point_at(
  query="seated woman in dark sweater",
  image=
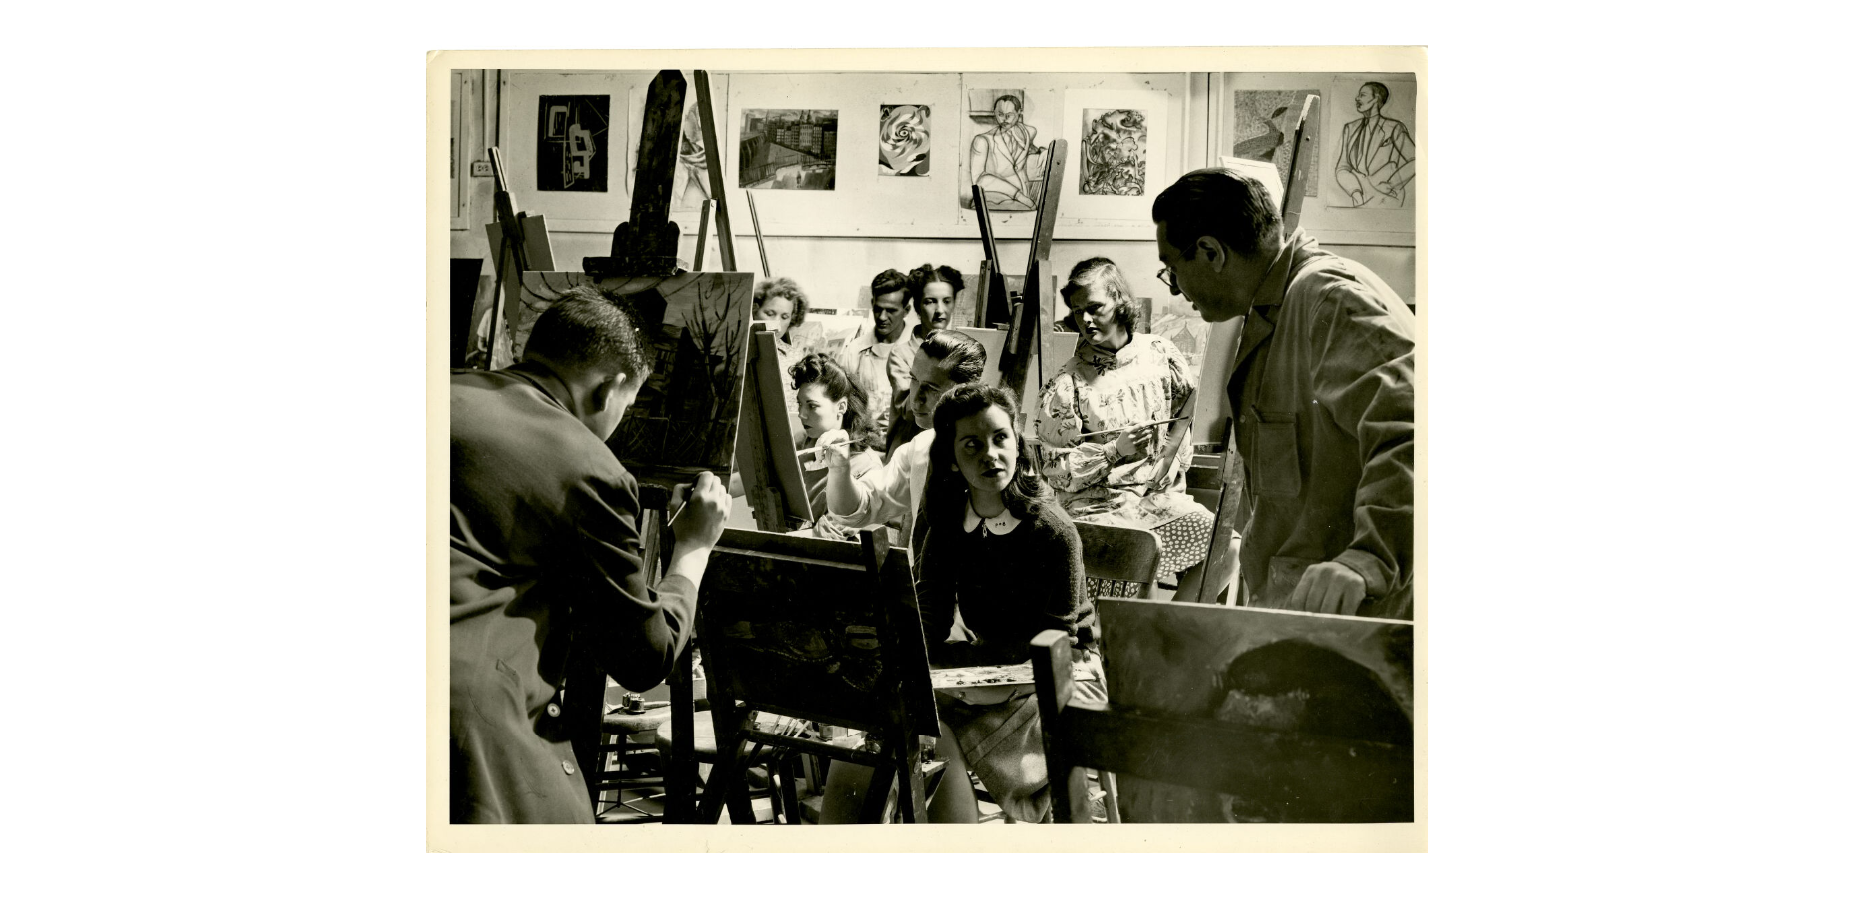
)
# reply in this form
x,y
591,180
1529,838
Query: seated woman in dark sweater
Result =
x,y
1002,553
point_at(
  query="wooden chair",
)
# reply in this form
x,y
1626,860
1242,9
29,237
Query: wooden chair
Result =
x,y
1121,561
1230,508
823,631
1178,674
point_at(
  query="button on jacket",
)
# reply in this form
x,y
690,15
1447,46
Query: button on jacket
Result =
x,y
544,550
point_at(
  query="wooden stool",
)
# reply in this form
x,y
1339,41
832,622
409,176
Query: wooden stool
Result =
x,y
623,727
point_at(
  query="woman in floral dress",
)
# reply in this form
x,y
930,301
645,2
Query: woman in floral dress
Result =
x,y
1116,379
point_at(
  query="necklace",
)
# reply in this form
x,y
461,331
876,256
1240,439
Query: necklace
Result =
x,y
999,524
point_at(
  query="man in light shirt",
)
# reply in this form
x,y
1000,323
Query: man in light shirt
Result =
x,y
867,356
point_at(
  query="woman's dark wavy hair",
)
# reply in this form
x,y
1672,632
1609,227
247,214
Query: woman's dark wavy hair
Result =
x,y
787,289
918,278
1101,275
838,383
946,489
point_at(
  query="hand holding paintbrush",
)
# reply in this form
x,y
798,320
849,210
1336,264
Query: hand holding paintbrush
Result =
x,y
1134,439
701,527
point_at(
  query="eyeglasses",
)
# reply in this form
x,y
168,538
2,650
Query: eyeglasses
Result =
x,y
1168,277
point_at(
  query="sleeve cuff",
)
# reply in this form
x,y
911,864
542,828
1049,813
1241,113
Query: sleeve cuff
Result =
x,y
1375,572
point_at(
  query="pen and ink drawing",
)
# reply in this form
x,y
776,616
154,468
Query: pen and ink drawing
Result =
x,y
1113,149
788,149
573,153
1004,159
1263,123
1375,166
690,188
905,140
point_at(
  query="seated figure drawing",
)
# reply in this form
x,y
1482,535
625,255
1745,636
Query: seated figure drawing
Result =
x,y
1002,158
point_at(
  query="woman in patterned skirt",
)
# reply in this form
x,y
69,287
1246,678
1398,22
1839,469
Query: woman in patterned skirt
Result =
x,y
1102,473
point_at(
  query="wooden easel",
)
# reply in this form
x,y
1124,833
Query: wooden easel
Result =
x,y
822,631
645,247
521,245
1230,509
767,457
1032,315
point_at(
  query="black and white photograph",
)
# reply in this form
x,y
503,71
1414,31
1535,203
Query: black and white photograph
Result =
x,y
1129,538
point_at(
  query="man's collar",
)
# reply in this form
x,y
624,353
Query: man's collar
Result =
x,y
1273,286
544,379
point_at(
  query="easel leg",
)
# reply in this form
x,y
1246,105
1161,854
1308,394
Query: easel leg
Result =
x,y
729,743
913,786
788,784
875,800
679,772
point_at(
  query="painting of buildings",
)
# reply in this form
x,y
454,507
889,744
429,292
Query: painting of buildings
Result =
x,y
788,149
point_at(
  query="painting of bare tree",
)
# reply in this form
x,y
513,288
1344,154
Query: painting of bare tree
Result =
x,y
695,325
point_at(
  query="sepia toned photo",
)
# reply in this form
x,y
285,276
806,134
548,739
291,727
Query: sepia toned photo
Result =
x,y
1080,492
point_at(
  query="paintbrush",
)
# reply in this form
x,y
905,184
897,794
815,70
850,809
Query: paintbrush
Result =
x,y
681,507
1154,423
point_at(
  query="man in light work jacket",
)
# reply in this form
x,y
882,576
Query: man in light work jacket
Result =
x,y
545,558
1323,393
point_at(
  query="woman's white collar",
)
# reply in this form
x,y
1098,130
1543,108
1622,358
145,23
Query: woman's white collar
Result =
x,y
996,526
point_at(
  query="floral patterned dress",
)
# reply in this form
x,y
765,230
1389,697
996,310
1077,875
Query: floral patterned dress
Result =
x,y
1101,390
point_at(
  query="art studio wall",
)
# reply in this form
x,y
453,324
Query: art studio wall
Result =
x,y
846,183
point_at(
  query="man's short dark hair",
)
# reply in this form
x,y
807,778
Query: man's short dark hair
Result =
x,y
889,281
588,330
1217,202
1382,92
962,356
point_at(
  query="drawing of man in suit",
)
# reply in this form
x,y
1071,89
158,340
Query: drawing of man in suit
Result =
x,y
1376,159
1001,157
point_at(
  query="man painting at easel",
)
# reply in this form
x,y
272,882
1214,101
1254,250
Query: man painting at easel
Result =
x,y
545,557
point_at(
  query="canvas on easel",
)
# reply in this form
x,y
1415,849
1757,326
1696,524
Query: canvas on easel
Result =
x,y
687,412
824,631
1332,694
768,454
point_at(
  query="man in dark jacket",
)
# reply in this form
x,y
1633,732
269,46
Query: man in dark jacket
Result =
x,y
1323,393
545,557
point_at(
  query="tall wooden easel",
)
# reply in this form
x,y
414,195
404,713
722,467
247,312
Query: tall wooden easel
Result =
x,y
1020,369
520,245
1230,510
646,246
